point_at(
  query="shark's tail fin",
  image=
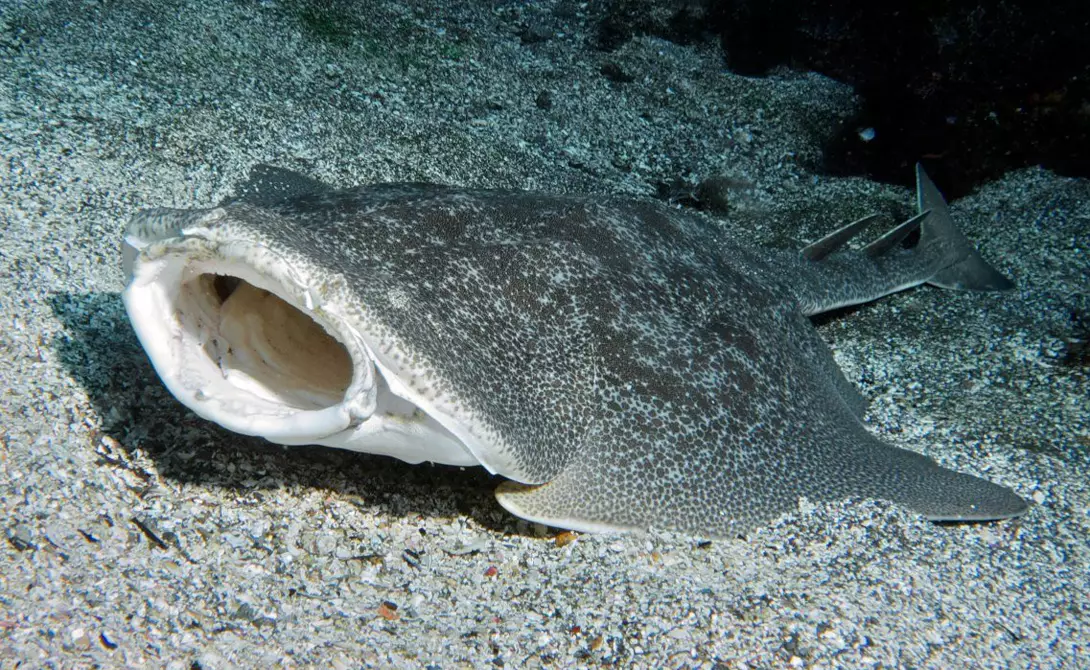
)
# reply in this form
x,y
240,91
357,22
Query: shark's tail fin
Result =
x,y
966,270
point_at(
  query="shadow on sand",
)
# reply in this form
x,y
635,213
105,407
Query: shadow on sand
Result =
x,y
101,353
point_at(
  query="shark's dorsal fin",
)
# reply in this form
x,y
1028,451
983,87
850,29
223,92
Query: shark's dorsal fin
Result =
x,y
818,250
895,236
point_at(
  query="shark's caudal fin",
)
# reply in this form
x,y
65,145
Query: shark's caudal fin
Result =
x,y
967,270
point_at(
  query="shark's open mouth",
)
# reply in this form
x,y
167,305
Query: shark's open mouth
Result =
x,y
253,352
265,345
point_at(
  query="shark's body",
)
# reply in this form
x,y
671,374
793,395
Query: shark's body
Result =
x,y
627,365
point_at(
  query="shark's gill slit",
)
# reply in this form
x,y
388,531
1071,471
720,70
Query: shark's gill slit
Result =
x,y
266,346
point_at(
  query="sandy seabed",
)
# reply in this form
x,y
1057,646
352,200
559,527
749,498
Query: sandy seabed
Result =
x,y
138,535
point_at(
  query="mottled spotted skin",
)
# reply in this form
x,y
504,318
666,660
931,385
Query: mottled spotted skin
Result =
x,y
642,366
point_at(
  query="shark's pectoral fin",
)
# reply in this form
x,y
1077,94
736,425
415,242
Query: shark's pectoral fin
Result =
x,y
922,485
715,494
575,501
615,486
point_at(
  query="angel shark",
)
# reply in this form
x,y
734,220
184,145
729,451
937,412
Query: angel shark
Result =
x,y
624,364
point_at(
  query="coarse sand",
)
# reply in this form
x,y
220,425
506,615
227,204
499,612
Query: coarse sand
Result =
x,y
137,535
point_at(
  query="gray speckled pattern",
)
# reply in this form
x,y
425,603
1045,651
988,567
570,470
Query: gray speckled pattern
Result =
x,y
628,364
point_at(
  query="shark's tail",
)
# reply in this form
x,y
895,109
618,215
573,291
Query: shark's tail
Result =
x,y
831,277
966,270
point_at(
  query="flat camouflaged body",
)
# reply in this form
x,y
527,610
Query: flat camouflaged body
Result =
x,y
625,364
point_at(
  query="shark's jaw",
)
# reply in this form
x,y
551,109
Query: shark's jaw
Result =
x,y
240,342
